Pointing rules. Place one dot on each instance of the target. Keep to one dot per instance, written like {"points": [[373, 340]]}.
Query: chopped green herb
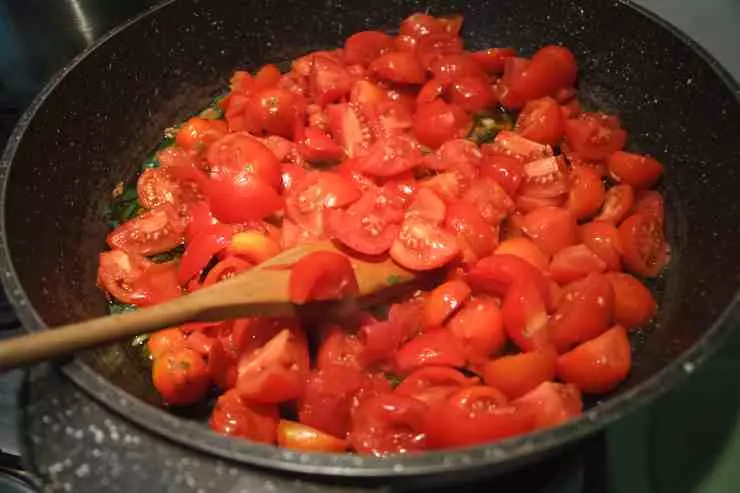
{"points": [[212, 113], [393, 279], [115, 308], [487, 124], [173, 254], [124, 206], [140, 340], [393, 379]]}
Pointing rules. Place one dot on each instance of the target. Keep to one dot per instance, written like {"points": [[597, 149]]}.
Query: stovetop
{"points": [[688, 441]]}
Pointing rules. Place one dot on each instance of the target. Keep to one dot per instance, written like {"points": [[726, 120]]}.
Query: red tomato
{"points": [[155, 231], [511, 144], [339, 348], [165, 340], [267, 76], [552, 68], [551, 228], [494, 275], [364, 47], [391, 156], [180, 376], [493, 59], [427, 205], [644, 250], [388, 424], [201, 249], [253, 245], [236, 417], [329, 81], [225, 269], [365, 92], [433, 384], [524, 249], [525, 315], [634, 304], [472, 94], [350, 126], [602, 238], [545, 179], [490, 199], [424, 24], [197, 133], [380, 341], [430, 91], [409, 315], [321, 276], [506, 171], [455, 66], [584, 313], [276, 111], [239, 196], [240, 152], [157, 187], [517, 374], [328, 399], [435, 347], [443, 301], [552, 403], [541, 121], [650, 202], [317, 147], [599, 365], [586, 193], [319, 190], [434, 46], [133, 279], [421, 245], [298, 436], [393, 117], [575, 262], [277, 371], [475, 414], [594, 136], [471, 228], [618, 203], [437, 122], [400, 67], [638, 170], [479, 327]]}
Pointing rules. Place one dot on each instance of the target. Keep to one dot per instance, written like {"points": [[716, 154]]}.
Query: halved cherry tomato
{"points": [[490, 199], [240, 152], [400, 67], [602, 238], [156, 187], [586, 193], [545, 178], [388, 424], [574, 262], [165, 340], [239, 418], [584, 313], [594, 135], [638, 170], [524, 249], [525, 315], [317, 147], [644, 250], [293, 435], [267, 76], [319, 190], [618, 203], [634, 304], [197, 133], [422, 245], [240, 196], [428, 206], [155, 231], [443, 301], [552, 68], [479, 327], [552, 403], [650, 202], [380, 341], [133, 279], [454, 66], [432, 47], [511, 144], [472, 94], [351, 127], [437, 122], [434, 347], [320, 276], [369, 226], [253, 245], [475, 414], [433, 384], [328, 80], [424, 24], [551, 228], [541, 121], [391, 156], [494, 275], [276, 110], [493, 59], [430, 91], [465, 219], [599, 365], [364, 47], [180, 376], [201, 249], [225, 269], [517, 374], [506, 171], [328, 399]]}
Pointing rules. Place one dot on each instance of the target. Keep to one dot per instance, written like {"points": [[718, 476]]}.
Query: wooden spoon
{"points": [[260, 291]]}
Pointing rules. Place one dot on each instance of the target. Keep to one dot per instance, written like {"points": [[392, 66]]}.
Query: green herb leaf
{"points": [[114, 307], [393, 279], [393, 379], [173, 254]]}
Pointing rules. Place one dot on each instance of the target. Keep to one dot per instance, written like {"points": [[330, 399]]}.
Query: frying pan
{"points": [[92, 125]]}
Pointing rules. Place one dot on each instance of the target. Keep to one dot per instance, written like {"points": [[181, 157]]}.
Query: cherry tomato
{"points": [[434, 347], [317, 147], [239, 418], [594, 135], [430, 91], [449, 67], [517, 374], [599, 365], [433, 384], [421, 245], [266, 77], [602, 238], [650, 202], [584, 313], [575, 262], [351, 127], [618, 203], [506, 171], [197, 133], [321, 276], [391, 156], [638, 170], [479, 327], [254, 246], [240, 152], [472, 94], [165, 340], [155, 231], [239, 196], [201, 249], [471, 228], [511, 144], [180, 376], [328, 80], [443, 301], [428, 206], [389, 424], [545, 179], [437, 122], [364, 47], [524, 249], [494, 275], [586, 193], [490, 199], [276, 110], [480, 414], [634, 304], [400, 67], [644, 250], [293, 435], [156, 187], [420, 25], [133, 279], [551, 228], [525, 315], [493, 59], [552, 68], [552, 403], [432, 47], [541, 121]]}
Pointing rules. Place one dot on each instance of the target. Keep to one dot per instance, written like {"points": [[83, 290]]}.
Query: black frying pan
{"points": [[92, 126]]}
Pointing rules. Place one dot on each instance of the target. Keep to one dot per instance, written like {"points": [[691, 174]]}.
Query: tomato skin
{"points": [[494, 275], [454, 66], [321, 276], [599, 365], [165, 340], [541, 121], [240, 152], [253, 245], [585, 312], [480, 329], [517, 374], [201, 249], [506, 171], [319, 190], [493, 59], [156, 187], [586, 194], [388, 424], [525, 249], [317, 147], [491, 200], [135, 280], [443, 301], [634, 304], [602, 238], [293, 435], [464, 218], [618, 203], [422, 245], [594, 136], [552, 68], [327, 401], [233, 416], [154, 231], [399, 67], [432, 47], [180, 376], [471, 93], [552, 403], [437, 122], [644, 250], [434, 347], [369, 226], [237, 197], [650, 202], [364, 47], [638, 170], [551, 228], [511, 144], [391, 156], [276, 111], [197, 133], [328, 80], [525, 315], [432, 384], [575, 262]]}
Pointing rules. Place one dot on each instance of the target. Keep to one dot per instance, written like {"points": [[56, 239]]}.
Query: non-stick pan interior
{"points": [[100, 120]]}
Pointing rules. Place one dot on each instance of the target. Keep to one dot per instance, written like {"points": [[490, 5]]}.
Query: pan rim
{"points": [[193, 436]]}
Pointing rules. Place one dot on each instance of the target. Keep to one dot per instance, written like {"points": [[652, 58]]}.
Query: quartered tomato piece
{"points": [[133, 279], [618, 203], [644, 250], [276, 110], [490, 199], [471, 93], [586, 192], [545, 178], [156, 187], [443, 301], [454, 66], [599, 365], [650, 202], [240, 152], [364, 47], [155, 231], [328, 399], [541, 121], [552, 68], [241, 196], [472, 229], [165, 340], [574, 262], [350, 127], [197, 133], [434, 46], [634, 304], [434, 347], [525, 315], [317, 147], [437, 122], [399, 67], [506, 171], [552, 403], [239, 418], [422, 245], [637, 170], [517, 374], [551, 228], [602, 238], [180, 376], [493, 59], [594, 136], [511, 144], [494, 275], [391, 156], [433, 384], [320, 276], [293, 435], [201, 249], [380, 341], [389, 424], [524, 249], [329, 81], [480, 329]]}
